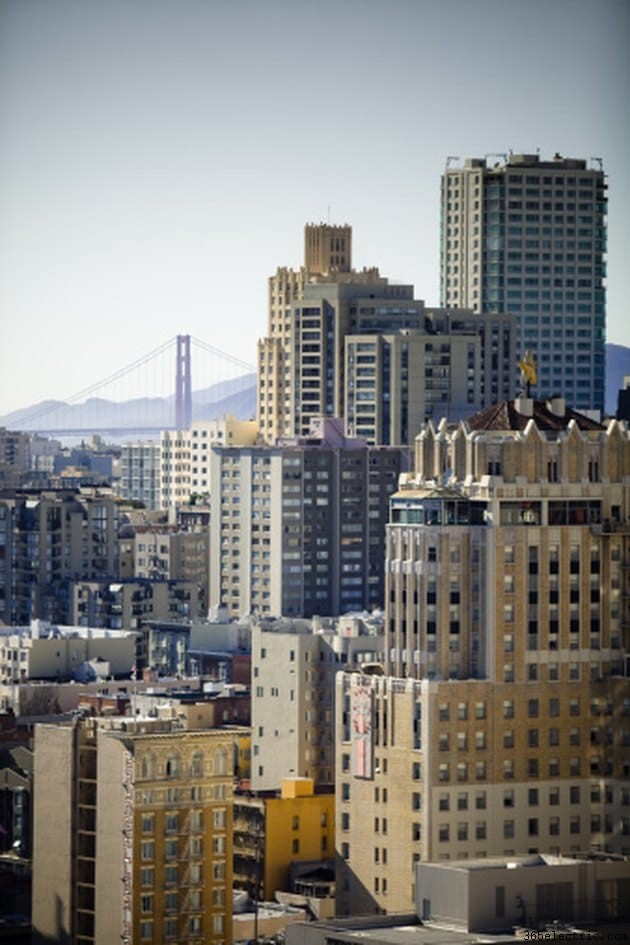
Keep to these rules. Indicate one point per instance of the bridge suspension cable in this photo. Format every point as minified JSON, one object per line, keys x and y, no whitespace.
{"x":98,"y":385}
{"x":225,"y":357}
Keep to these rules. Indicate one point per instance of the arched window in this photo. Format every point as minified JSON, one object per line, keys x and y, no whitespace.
{"x":196,"y":764}
{"x":147,"y":765}
{"x":220,"y":762}
{"x":172,"y":766}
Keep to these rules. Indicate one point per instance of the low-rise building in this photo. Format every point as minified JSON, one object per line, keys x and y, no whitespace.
{"x":273,"y":832}
{"x":498,"y":894}
{"x":47,"y":651}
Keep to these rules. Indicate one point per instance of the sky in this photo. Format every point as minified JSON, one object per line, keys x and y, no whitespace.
{"x":159,"y":158}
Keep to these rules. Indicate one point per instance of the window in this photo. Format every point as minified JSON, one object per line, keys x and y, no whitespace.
{"x":147,"y":850}
{"x":170,"y":901}
{"x":532,"y":826}
{"x":146,"y":904}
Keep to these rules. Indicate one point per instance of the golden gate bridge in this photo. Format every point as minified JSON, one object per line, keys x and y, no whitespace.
{"x":152,"y":393}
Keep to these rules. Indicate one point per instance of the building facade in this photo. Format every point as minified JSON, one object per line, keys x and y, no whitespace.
{"x":132,"y":834}
{"x":502,"y":726}
{"x":298,"y":529}
{"x":140,"y":473}
{"x":528,"y":236}
{"x":294,"y":663}
{"x":347,"y":343}
{"x":185,"y":457}
{"x":47,"y":540}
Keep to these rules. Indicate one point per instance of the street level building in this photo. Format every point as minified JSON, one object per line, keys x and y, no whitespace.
{"x":132,"y":834}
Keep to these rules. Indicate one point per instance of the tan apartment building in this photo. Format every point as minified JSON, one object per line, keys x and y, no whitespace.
{"x":348,"y":343}
{"x":502,"y":726}
{"x":132,"y":834}
{"x":294,"y":663}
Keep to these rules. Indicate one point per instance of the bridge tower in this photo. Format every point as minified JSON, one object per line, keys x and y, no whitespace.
{"x":183,"y":383}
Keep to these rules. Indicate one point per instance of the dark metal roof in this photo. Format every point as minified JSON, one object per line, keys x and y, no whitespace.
{"x":505,"y":416}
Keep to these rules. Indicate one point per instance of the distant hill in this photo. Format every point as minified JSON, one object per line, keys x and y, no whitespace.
{"x":617,"y":367}
{"x":236,"y":397}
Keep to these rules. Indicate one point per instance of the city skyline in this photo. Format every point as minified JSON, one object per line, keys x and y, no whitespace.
{"x":158,"y":168}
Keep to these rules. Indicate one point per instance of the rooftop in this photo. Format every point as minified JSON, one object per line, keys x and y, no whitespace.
{"x":549,"y":415}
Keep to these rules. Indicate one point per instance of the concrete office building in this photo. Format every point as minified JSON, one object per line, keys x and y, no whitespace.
{"x":534,"y":892}
{"x":298,"y":529}
{"x":503,"y":724}
{"x":132,"y":834}
{"x":528,"y":236}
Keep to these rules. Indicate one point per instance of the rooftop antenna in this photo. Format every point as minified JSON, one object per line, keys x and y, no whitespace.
{"x":599,"y":161}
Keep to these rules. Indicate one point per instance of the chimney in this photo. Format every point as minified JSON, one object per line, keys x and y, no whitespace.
{"x":525,"y":406}
{"x":557,"y":406}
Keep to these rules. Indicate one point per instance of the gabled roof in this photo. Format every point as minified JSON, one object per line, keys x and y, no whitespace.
{"x":505,"y":416}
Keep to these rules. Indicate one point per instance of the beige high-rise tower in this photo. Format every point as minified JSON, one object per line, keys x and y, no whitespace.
{"x":327,"y":248}
{"x":502,"y":726}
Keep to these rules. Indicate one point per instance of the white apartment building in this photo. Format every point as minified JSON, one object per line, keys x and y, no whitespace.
{"x":185,"y":456}
{"x":528,"y":236}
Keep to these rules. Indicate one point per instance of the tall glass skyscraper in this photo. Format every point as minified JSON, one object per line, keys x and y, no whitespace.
{"x":527,"y":236}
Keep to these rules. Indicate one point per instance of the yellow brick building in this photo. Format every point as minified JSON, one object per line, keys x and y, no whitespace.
{"x":132,"y":834}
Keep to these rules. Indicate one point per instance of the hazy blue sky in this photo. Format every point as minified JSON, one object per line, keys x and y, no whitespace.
{"x":159,"y":158}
